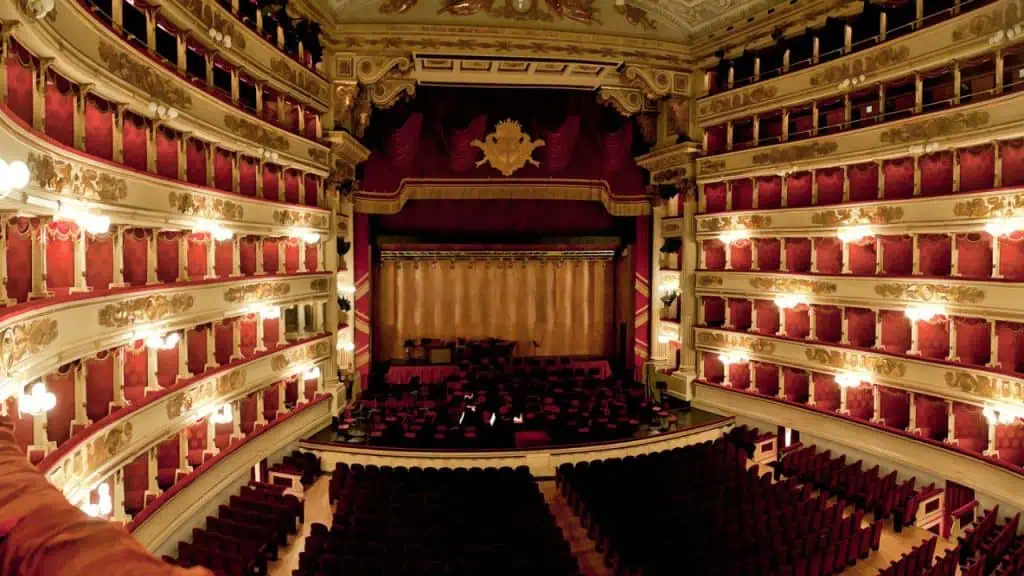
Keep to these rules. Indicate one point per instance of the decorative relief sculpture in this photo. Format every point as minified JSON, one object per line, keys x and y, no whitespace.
{"x":869,"y":64}
{"x":301,"y":355}
{"x":795,"y":153}
{"x":305,"y":219}
{"x":148,"y":309}
{"x":507,"y":148}
{"x":849,"y":216}
{"x":582,"y":11}
{"x":21,"y":340}
{"x":98,"y":451}
{"x":319,"y":285}
{"x":203,"y":207}
{"x":732,"y":102}
{"x":255,"y":133}
{"x":256,"y":292}
{"x":706,"y":281}
{"x":931,"y":293}
{"x":705,"y":167}
{"x":987,"y":24}
{"x":991,"y":207}
{"x":755,"y":345}
{"x":69,"y":179}
{"x":636,"y":16}
{"x":719,"y":223}
{"x":885,"y":367}
{"x":144,"y":77}
{"x":318,"y":155}
{"x":942,"y":126}
{"x":793,"y":285}
{"x":212,"y":19}
{"x":304,"y":80}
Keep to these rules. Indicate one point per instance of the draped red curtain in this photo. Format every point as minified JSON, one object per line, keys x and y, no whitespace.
{"x":1011,"y":154}
{"x":197,"y":350}
{"x":19,"y":257}
{"x":714,"y":254}
{"x":931,"y":416}
{"x":936,"y":173}
{"x":830,"y":185}
{"x":895,"y":331}
{"x":195,"y":162}
{"x":828,"y":323}
{"x":739,"y":254}
{"x":1011,"y":341}
{"x":863,"y":181}
{"x":742,"y":194}
{"x":829,"y":253}
{"x":797,"y":384}
{"x":270,"y":182}
{"x":798,"y":189}
{"x":897,"y":255}
{"x":291,"y":391}
{"x":739,"y":375}
{"x":310,"y":125}
{"x":167,"y":153}
{"x":933,"y":338}
{"x":60,"y":256}
{"x":247,"y":176}
{"x":461,"y":154}
{"x":271,"y":256}
{"x":223,"y":258}
{"x":20,"y":86}
{"x":860,"y":327}
{"x":248,"y":415}
{"x":99,"y":127}
{"x":60,"y":109}
{"x":768,"y":253}
{"x":560,"y":144}
{"x":168,"y":457}
{"x":197,"y":242}
{"x":291,"y":186}
{"x":894,"y":407}
{"x":899,"y":178}
{"x":58,"y":420}
{"x":270,"y":332}
{"x":714,"y":197}
{"x":247,"y":255}
{"x":974,"y":255}
{"x":860,"y":403}
{"x":714,"y":310}
{"x":136,"y":142}
{"x":223,"y":170}
{"x":935,"y":254}
{"x":167,"y":263}
{"x":971,"y":431}
{"x":862,"y":256}
{"x":167,"y":367}
{"x":1011,"y":256}
{"x":798,"y":321}
{"x":767,"y":317}
{"x":973,"y":341}
{"x":715,"y":136}
{"x":977,"y":168}
{"x":99,"y":385}
{"x":769,"y":192}
{"x":312,"y":254}
{"x":136,"y":247}
{"x":223,"y":342}
{"x":99,"y":258}
{"x":739,"y":313}
{"x":766,"y":378}
{"x":247,"y":330}
{"x":798,"y":255}
{"x":714,"y":372}
{"x":291,"y":255}
{"x":135,"y":372}
{"x":309,"y":186}
{"x":270,"y":403}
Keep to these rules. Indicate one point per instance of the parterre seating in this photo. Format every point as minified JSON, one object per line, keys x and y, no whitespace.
{"x":917,"y":561}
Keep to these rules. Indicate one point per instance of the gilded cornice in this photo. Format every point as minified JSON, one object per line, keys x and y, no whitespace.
{"x":255,"y":133}
{"x":843,"y":360}
{"x":792,"y":285}
{"x":990,"y":207}
{"x":204,"y":206}
{"x":796,"y":153}
{"x":74,"y":180}
{"x":145,"y":309}
{"x":144,"y":77}
{"x":256,"y":292}
{"x":927,"y":292}
{"x":849,"y":216}
{"x":979,"y":26}
{"x":863,"y":65}
{"x":737,"y":100}
{"x":939,"y":127}
{"x":296,"y":218}
{"x":745,"y":221}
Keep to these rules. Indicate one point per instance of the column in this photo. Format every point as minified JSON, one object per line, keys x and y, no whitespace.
{"x":782,"y":256}
{"x":917,"y":174}
{"x":728,"y":316}
{"x":183,"y":371}
{"x":781,"y":395}
{"x":753,"y":315}
{"x":81,"y":375}
{"x":912,"y":426}
{"x":236,"y":256}
{"x":260,"y":346}
{"x":40,"y":441}
{"x":753,"y":253}
{"x":259,"y":257}
{"x":810,"y":390}
{"x":953,"y":355}
{"x":725,"y":374}
{"x":302,"y":255}
{"x":954,"y":256}
{"x":211,"y":348}
{"x":814,"y":257}
{"x":236,"y":421}
{"x":846,"y":258}
{"x":281,"y":332}
{"x":879,"y":255}
{"x":282,"y":387}
{"x":950,"y":423}
{"x":996,"y":156}
{"x":785,"y":189}
{"x":752,"y":384}
{"x":1000,"y":63}
{"x":700,"y":313}
{"x":260,"y":420}
{"x":118,"y":400}
{"x":39,"y":289}
{"x":993,"y":358}
{"x":151,"y":276}
{"x":916,"y":253}
{"x":280,"y":254}
{"x":913,"y":339}
{"x":843,"y":391}
{"x":956,"y":83}
{"x":4,"y":299}
{"x":211,"y":438}
{"x":918,"y":93}
{"x":996,"y":257}
{"x":211,"y":258}
{"x":118,"y":122}
{"x":782,"y":321}
{"x":80,"y":240}
{"x":812,"y":334}
{"x":236,"y":339}
{"x":117,"y":498}
{"x":728,"y":136}
{"x":183,"y":240}
{"x":846,"y":176}
{"x":318,"y":317}
{"x":152,"y":471}
{"x":300,"y":313}
{"x":878,"y":328}
{"x":152,"y":365}
{"x":956,"y":171}
{"x":881,"y":179}
{"x":728,"y":196}
{"x":301,"y":389}
{"x":701,"y":256}
{"x":876,"y":402}
{"x":844,"y":322}
{"x":992,"y":440}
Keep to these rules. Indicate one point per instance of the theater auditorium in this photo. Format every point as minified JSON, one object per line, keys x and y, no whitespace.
{"x":507,"y":287}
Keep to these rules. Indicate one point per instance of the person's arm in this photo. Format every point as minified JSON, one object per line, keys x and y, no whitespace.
{"x":42,"y":534}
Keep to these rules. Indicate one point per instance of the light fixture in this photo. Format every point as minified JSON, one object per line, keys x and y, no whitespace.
{"x":852,"y":379}
{"x":156,"y":341}
{"x":312,"y":373}
{"x":223,"y":415}
{"x":346,"y":345}
{"x":270,"y":155}
{"x":220,"y":37}
{"x":37,"y":401}
{"x":162,"y":111}
{"x":855,"y":233}
{"x":105,"y":505}
{"x":346,"y":289}
{"x":38,"y":9}
{"x":307,"y":236}
{"x":730,"y":236}
{"x":664,"y":338}
{"x":216,"y":231}
{"x":92,"y":223}
{"x":1004,"y":226}
{"x":1002,"y":414}
{"x":784,"y":301}
{"x":517,"y":419}
{"x":265,"y":311}
{"x":924,"y":312}
{"x":13,"y":176}
{"x":734,"y":357}
{"x":493,"y":418}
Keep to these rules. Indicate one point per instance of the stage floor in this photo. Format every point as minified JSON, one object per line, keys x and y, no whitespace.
{"x":677,"y":419}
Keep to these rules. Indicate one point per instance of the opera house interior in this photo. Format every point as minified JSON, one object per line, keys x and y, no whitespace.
{"x":506,"y":287}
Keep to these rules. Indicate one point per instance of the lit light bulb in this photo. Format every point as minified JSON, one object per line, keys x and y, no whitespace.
{"x":223,"y":415}
{"x":924,"y":312}
{"x":854,"y":233}
{"x":1004,"y":226}
{"x":312,"y":373}
{"x":310,"y":237}
{"x":733,"y":357}
{"x":784,"y":301}
{"x":730,"y":236}
{"x":852,"y":379}
{"x":37,"y":401}
{"x":17,"y":173}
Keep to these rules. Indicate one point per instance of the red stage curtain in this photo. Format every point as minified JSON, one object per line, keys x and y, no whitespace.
{"x":769,"y":192}
{"x":766,"y":378}
{"x":936,"y":173}
{"x":739,"y":313}
{"x":897,"y":255}
{"x":863,"y":181}
{"x":933,"y":338}
{"x":894,"y":407}
{"x":247,"y":255}
{"x":973,"y":341}
{"x":828,"y":323}
{"x":248,"y":334}
{"x":971,"y":427}
{"x":312,"y":253}
{"x":974,"y":255}
{"x":291,"y":255}
{"x":862,"y":256}
{"x":1011,"y":154}
{"x":167,"y":367}
{"x":135,"y":249}
{"x":1011,"y":256}
{"x":714,"y":372}
{"x":167,"y":257}
{"x":58,"y":420}
{"x":977,"y":168}
{"x":60,"y":256}
{"x":798,"y":255}
{"x":99,"y":127}
{"x":270,"y":332}
{"x":714,"y":254}
{"x":309,"y":187}
{"x":195,"y":162}
{"x":616,"y":146}
{"x":860,"y":327}
{"x":461,"y":153}
{"x":167,"y":153}
{"x":767,"y":253}
{"x":895,"y":332}
{"x":830,"y":185}
{"x":798,"y":321}
{"x":247,"y":176}
{"x":291,"y":186}
{"x":99,"y":385}
{"x":739,"y":254}
{"x":899,"y":178}
{"x":560,"y":145}
{"x":20,"y":87}
{"x":197,"y":350}
{"x":223,"y":256}
{"x":797,"y":384}
{"x":223,"y":342}
{"x":931,"y":416}
{"x":742,"y":194}
{"x":270,"y":255}
{"x":1011,"y":340}
{"x":714,"y":311}
{"x":60,"y":109}
{"x":19,"y":257}
{"x":223,"y":170}
{"x":767,"y":317}
{"x":860,"y":403}
{"x":935,"y":254}
{"x":135,"y":372}
{"x":829,"y":255}
{"x":798,"y":189}
{"x":714,"y":197}
{"x":270,"y":182}
{"x":99,"y":261}
{"x":1010,"y":443}
{"x":136,"y":142}
{"x":197,"y":242}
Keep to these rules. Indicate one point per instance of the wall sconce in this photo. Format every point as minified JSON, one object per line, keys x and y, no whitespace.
{"x":38,"y":9}
{"x":223,"y":415}
{"x":155,"y":340}
{"x":91,"y":223}
{"x":784,"y":301}
{"x":346,"y":346}
{"x":730,"y":236}
{"x":669,"y":293}
{"x":1002,"y":414}
{"x":924,"y":312}
{"x":265,"y":312}
{"x":307,"y":236}
{"x":852,"y":82}
{"x":1004,"y":226}
{"x":13,"y":176}
{"x":216,"y":231}
{"x":38,"y":401}
{"x":162,"y":111}
{"x":347,"y":289}
{"x":855,"y":233}
{"x":852,"y":379}
{"x":312,"y":373}
{"x":102,"y":508}
{"x":1000,"y":36}
{"x":734,"y":357}
{"x":220,"y":37}
{"x":270,"y":155}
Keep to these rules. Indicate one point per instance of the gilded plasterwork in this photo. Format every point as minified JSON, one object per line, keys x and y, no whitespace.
{"x":948,"y":125}
{"x":992,"y":207}
{"x":290,"y":358}
{"x":795,"y":153}
{"x":793,"y":285}
{"x":885,"y":367}
{"x":507,"y":149}
{"x":983,"y":25}
{"x":21,"y":340}
{"x":304,"y":80}
{"x":731,"y":102}
{"x":148,"y":309}
{"x":850,"y":216}
{"x":203,"y":207}
{"x":144,"y":77}
{"x":214,"y":19}
{"x":318,"y":155}
{"x":256,"y":292}
{"x":100,"y":450}
{"x":319,"y":285}
{"x":255,"y":133}
{"x":706,"y":281}
{"x":931,"y":292}
{"x":710,"y":166}
{"x":636,"y":16}
{"x":293,"y":218}
{"x":69,"y":179}
{"x":884,"y":58}
{"x":719,"y":223}
{"x":718,"y":340}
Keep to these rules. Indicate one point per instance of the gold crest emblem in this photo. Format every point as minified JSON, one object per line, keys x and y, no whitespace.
{"x":507,"y":148}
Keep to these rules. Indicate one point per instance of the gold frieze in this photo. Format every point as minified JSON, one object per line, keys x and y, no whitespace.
{"x":869,"y":64}
{"x":948,"y":125}
{"x":793,"y":285}
{"x":991,"y":207}
{"x":719,"y":223}
{"x":148,"y":309}
{"x":293,"y":218}
{"x":732,"y":102}
{"x":255,"y":133}
{"x":706,"y":281}
{"x":850,"y":216}
{"x":144,"y":77}
{"x":69,"y":179}
{"x":202,"y":207}
{"x":21,"y":340}
{"x":256,"y":292}
{"x":885,"y":367}
{"x":796,"y":153}
{"x":931,"y":292}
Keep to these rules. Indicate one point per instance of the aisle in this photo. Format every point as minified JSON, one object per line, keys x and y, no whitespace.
{"x":317,"y":509}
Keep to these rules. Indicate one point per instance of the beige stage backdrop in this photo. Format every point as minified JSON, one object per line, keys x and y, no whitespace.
{"x":567,"y":305}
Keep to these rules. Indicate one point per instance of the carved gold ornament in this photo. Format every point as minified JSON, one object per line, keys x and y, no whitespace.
{"x":793,"y":285}
{"x":705,"y":167}
{"x":147,"y":309}
{"x":144,"y":77}
{"x":636,"y":16}
{"x":886,"y":367}
{"x":987,"y":24}
{"x":947,"y":125}
{"x":305,"y":219}
{"x":848,"y":216}
{"x":931,"y":292}
{"x":868,"y":64}
{"x":990,"y":207}
{"x":705,"y":281}
{"x":507,"y":148}
{"x":735,"y":101}
{"x":719,"y":223}
{"x":796,"y":153}
{"x":256,"y":292}
{"x":319,"y":285}
{"x":212,"y":18}
{"x":69,"y":179}
{"x":191,"y":204}
{"x":255,"y":133}
{"x":24,"y":339}
{"x":301,"y":355}
{"x":719,"y":340}
{"x":212,"y":392}
{"x":99,"y":450}
{"x":317,"y":155}
{"x":178,"y":405}
{"x":304,"y":80}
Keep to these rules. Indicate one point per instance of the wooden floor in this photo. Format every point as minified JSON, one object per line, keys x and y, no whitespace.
{"x":318,"y":509}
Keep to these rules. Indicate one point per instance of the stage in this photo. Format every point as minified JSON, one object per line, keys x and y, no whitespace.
{"x":403,"y":374}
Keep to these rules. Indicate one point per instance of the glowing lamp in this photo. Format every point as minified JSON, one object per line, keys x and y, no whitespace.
{"x":13,"y":176}
{"x":91,"y":223}
{"x":312,"y":373}
{"x":307,"y":236}
{"x":784,"y":301}
{"x":216,"y":231}
{"x":924,"y":312}
{"x":346,"y":346}
{"x":1004,"y":226}
{"x":105,"y":505}
{"x":223,"y":415}
{"x":855,"y":233}
{"x":154,"y":340}
{"x":730,"y":236}
{"x":37,"y":401}
{"x":852,"y":379}
{"x":733,"y":357}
